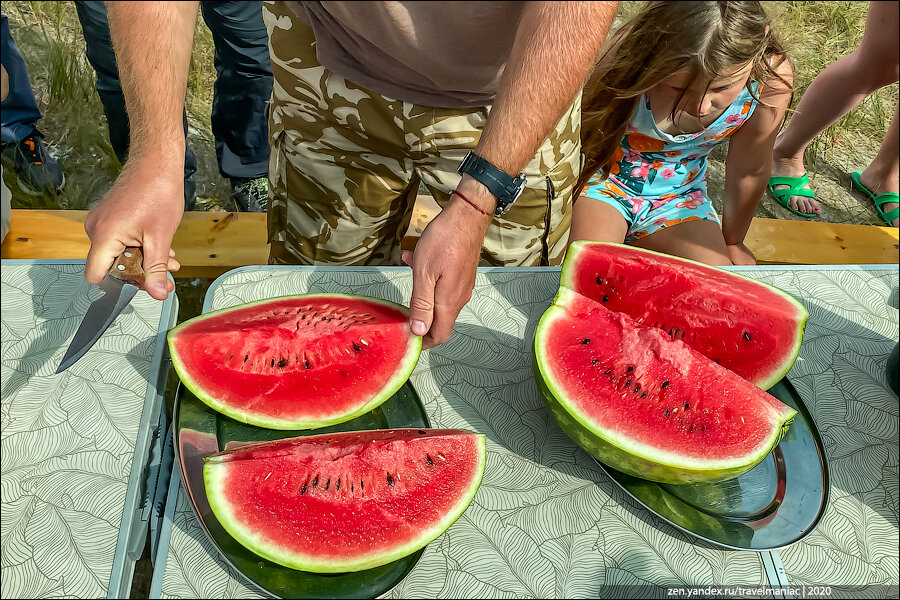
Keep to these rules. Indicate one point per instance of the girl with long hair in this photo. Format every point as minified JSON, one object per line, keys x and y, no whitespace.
{"x":674,"y":82}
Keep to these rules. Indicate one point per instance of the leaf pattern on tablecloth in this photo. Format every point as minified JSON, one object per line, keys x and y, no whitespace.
{"x":547,"y":522}
{"x":68,"y":440}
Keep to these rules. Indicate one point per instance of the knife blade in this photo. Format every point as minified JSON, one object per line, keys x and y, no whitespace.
{"x":122,"y":281}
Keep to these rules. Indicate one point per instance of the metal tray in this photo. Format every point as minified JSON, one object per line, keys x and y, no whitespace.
{"x":201,"y":431}
{"x":777,"y":503}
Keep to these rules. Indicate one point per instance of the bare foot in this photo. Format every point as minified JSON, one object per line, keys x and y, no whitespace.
{"x":877,"y":186}
{"x":789,"y":167}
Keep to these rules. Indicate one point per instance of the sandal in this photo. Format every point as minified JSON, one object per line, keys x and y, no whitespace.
{"x":784,"y":195}
{"x":879,"y":200}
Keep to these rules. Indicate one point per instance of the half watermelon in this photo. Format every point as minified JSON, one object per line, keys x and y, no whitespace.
{"x":341,"y":502}
{"x":645,"y":403}
{"x":748,"y":327}
{"x":296,"y":362}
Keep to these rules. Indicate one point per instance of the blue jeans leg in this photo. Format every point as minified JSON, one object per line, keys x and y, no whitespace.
{"x":20,"y":111}
{"x":243,"y":87}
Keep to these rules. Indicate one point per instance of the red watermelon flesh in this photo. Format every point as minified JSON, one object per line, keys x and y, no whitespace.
{"x":296,"y":362}
{"x":345,"y":501}
{"x":647,"y":404}
{"x":748,"y":327}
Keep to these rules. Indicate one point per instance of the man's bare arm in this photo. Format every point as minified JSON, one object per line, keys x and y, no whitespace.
{"x":554,"y":50}
{"x":153,"y":43}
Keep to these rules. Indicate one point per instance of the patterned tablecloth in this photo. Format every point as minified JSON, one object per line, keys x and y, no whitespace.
{"x":74,"y":446}
{"x":547,"y":522}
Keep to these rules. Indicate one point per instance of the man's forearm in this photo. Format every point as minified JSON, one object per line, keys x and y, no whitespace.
{"x":153,"y":41}
{"x":554,"y":50}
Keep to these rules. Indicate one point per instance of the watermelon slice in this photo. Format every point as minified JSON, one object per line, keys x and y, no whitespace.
{"x":340,"y":502}
{"x":646,"y":403}
{"x":296,"y":362}
{"x":748,"y":327}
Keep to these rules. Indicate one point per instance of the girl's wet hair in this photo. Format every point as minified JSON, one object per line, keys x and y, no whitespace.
{"x":706,"y":38}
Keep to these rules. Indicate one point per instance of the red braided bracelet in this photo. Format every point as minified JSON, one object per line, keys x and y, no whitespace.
{"x":470,"y":203}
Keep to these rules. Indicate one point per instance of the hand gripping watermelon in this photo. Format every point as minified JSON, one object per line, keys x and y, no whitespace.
{"x":296,"y":362}
{"x":748,"y":327}
{"x":645,"y":403}
{"x":341,"y":502}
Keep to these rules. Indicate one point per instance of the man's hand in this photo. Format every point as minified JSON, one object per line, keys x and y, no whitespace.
{"x":444,"y":265}
{"x":142,"y":209}
{"x":740,"y":254}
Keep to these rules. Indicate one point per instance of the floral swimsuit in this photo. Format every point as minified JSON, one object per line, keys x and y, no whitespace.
{"x":658,"y":180}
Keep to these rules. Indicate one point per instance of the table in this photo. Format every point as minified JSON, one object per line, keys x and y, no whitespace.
{"x":75,"y":447}
{"x":547,"y":522}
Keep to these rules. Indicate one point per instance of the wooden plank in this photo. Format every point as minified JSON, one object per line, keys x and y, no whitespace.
{"x":210,"y":243}
{"x":206,"y":243}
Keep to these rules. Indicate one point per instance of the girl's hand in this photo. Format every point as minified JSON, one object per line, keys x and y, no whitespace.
{"x":740,"y":254}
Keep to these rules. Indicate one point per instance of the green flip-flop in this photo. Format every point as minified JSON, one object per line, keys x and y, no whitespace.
{"x":879,"y":200}
{"x":784,"y":195}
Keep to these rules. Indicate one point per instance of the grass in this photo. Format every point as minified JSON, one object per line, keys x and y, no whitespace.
{"x":49,"y":36}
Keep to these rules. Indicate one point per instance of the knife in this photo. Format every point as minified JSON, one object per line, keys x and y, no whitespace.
{"x":121,"y":283}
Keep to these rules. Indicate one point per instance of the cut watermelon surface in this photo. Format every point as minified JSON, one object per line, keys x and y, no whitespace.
{"x":345,"y":502}
{"x":644,"y":402}
{"x":296,"y":362}
{"x":748,"y":327}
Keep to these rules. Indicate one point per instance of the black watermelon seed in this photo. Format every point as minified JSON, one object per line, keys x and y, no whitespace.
{"x":612,"y":288}
{"x":599,"y":281}
{"x":283,"y":362}
{"x":607,"y":372}
{"x":421,"y":432}
{"x":644,"y":395}
{"x":637,"y":388}
{"x":337,"y":486}
{"x":357,"y":348}
{"x":595,"y":361}
{"x":328,"y":484}
{"x":629,"y":369}
{"x":315,"y":481}
{"x":606,"y":298}
{"x":628,"y":383}
{"x":687,"y":405}
{"x":665,"y":384}
{"x":362,"y":486}
{"x":306,"y":364}
{"x":747,"y":335}
{"x":390,"y":480}
{"x":586,"y":341}
{"x":273,"y":362}
{"x":303,"y":489}
{"x":666,"y":413}
{"x":246,"y":356}
{"x":428,"y":460}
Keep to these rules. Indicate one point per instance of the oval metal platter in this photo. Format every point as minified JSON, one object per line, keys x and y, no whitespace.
{"x":777,"y":503}
{"x":201,"y":431}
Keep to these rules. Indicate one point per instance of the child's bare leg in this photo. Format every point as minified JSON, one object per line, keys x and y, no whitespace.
{"x":597,"y":221}
{"x":838,"y":89}
{"x":883,"y":173}
{"x":697,"y":240}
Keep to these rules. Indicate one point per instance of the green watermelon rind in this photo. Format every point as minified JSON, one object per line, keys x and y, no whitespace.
{"x":626,"y":455}
{"x":403,"y":373}
{"x":250,"y":540}
{"x":567,"y":279}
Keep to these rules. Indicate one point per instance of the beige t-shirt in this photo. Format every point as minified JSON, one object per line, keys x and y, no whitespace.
{"x":444,"y":54}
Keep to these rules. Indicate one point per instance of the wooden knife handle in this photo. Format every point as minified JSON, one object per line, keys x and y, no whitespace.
{"x":129,"y":266}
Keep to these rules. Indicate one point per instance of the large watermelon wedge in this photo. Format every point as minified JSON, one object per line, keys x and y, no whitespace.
{"x":644,"y":402}
{"x":296,"y":362}
{"x":341,"y":502}
{"x":748,"y":327}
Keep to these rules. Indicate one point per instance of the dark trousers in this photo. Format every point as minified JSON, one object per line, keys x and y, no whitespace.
{"x":20,"y":111}
{"x":242,"y":89}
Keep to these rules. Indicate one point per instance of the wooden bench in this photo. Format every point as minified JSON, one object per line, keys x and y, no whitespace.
{"x":210,"y":243}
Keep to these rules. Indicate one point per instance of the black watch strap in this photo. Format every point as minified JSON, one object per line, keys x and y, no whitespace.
{"x":501,"y":184}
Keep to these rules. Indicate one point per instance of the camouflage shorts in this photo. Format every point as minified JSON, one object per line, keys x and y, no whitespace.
{"x":346,"y":166}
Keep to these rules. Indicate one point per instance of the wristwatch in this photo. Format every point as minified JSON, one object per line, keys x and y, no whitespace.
{"x":500,"y":183}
